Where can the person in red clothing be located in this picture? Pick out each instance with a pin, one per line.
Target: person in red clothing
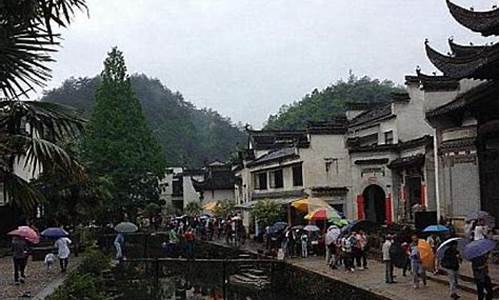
(189, 238)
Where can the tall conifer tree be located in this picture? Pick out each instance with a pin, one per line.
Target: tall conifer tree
(118, 143)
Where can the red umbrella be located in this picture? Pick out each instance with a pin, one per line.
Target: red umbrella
(27, 233)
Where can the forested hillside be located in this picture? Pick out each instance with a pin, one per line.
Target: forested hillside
(188, 135)
(323, 105)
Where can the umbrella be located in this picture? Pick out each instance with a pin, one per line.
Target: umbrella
(426, 254)
(299, 227)
(310, 204)
(479, 248)
(332, 235)
(126, 227)
(364, 225)
(446, 244)
(54, 232)
(481, 214)
(339, 222)
(323, 213)
(277, 227)
(436, 229)
(311, 228)
(27, 233)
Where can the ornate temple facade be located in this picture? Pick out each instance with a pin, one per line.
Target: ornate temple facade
(462, 107)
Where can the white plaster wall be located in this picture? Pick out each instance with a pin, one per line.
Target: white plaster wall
(323, 148)
(218, 195)
(411, 122)
(385, 126)
(436, 99)
(189, 193)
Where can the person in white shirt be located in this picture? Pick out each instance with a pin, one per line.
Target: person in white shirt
(481, 231)
(386, 257)
(63, 252)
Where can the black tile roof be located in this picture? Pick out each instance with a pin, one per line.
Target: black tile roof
(378, 112)
(273, 139)
(336, 126)
(482, 92)
(215, 180)
(414, 160)
(275, 156)
(479, 65)
(485, 22)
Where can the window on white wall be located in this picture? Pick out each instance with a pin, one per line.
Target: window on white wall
(260, 181)
(389, 137)
(276, 179)
(297, 175)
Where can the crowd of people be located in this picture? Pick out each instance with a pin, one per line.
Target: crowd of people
(182, 232)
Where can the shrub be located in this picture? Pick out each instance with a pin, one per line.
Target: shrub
(79, 286)
(94, 263)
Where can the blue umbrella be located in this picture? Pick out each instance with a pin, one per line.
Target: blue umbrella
(436, 228)
(54, 232)
(277, 227)
(479, 248)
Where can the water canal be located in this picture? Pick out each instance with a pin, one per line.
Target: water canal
(218, 272)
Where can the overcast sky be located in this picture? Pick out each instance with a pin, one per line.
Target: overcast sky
(245, 58)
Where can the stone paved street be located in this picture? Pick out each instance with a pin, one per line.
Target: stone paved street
(36, 278)
(373, 278)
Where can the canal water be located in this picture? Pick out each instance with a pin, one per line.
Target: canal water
(148, 275)
(182, 279)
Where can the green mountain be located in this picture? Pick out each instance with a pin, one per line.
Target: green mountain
(331, 101)
(188, 135)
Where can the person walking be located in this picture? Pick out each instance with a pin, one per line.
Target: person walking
(451, 263)
(20, 258)
(347, 244)
(118, 243)
(407, 250)
(356, 249)
(386, 257)
(189, 238)
(173, 239)
(63, 252)
(482, 277)
(434, 241)
(304, 241)
(416, 264)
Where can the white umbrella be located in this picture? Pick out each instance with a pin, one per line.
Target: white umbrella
(332, 235)
(446, 244)
(126, 227)
(311, 228)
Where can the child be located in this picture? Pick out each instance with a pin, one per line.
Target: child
(49, 260)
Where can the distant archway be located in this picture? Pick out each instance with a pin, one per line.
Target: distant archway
(374, 198)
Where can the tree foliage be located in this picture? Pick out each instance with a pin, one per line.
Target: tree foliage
(118, 142)
(29, 130)
(266, 212)
(198, 134)
(193, 208)
(323, 105)
(28, 39)
(224, 208)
